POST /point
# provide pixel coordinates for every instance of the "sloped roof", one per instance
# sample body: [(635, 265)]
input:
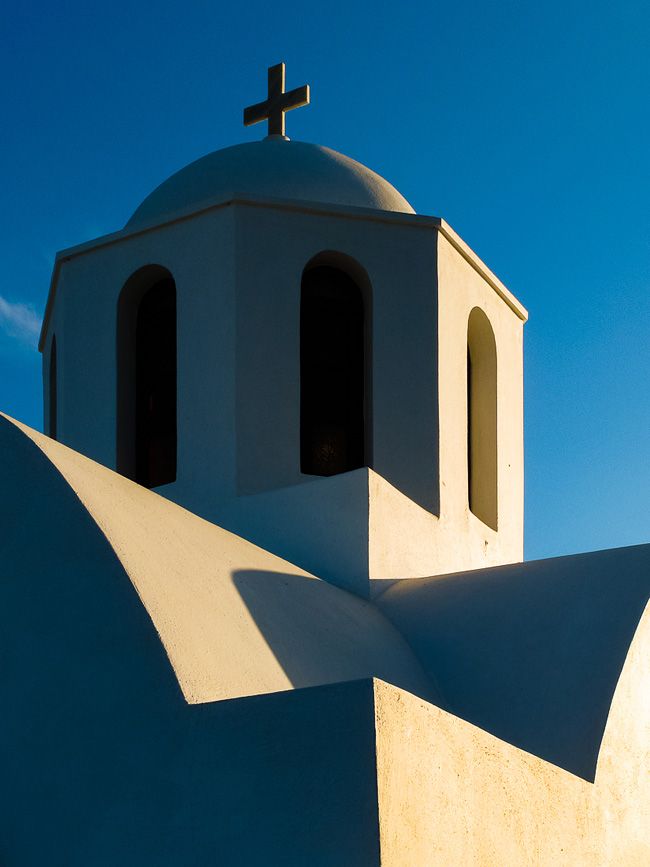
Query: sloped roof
[(233, 619), (530, 652)]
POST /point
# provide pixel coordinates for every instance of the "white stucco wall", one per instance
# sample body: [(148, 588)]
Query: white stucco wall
[(238, 268), (452, 793), (461, 288)]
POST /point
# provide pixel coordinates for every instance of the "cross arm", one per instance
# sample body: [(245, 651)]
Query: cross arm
[(256, 113), (297, 97)]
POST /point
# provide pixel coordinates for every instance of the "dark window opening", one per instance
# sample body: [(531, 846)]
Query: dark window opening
[(52, 409), (155, 417), (146, 378), (332, 373)]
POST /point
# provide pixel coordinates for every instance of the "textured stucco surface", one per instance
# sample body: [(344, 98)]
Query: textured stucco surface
[(466, 541), (452, 794), (531, 652)]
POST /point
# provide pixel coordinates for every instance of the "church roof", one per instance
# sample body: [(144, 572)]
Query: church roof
[(273, 168), (539, 666), (234, 619)]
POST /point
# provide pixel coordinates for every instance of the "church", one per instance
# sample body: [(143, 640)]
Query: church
[(264, 599)]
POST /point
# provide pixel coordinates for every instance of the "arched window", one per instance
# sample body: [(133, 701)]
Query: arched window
[(146, 405), (332, 373), (482, 418), (52, 409)]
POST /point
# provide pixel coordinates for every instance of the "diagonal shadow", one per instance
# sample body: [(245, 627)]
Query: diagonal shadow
[(530, 652), (321, 634)]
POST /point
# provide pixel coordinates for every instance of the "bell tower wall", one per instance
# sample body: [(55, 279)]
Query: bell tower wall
[(466, 290), (238, 268)]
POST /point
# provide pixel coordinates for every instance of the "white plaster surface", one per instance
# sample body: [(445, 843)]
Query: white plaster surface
[(271, 169), (475, 545), (337, 773), (531, 652), (234, 619), (452, 794)]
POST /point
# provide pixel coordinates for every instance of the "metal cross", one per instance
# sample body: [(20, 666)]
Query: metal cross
[(277, 102)]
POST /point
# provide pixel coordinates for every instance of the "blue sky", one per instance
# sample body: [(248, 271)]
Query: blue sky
[(525, 125)]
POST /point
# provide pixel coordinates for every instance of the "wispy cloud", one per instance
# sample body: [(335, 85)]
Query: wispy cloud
[(19, 321)]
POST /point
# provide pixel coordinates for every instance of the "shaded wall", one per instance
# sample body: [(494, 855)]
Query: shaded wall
[(104, 762), (530, 652)]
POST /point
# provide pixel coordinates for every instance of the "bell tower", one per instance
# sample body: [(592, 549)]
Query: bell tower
[(279, 343)]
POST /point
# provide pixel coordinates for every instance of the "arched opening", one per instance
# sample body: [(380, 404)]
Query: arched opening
[(52, 396), (146, 404), (482, 418), (333, 378)]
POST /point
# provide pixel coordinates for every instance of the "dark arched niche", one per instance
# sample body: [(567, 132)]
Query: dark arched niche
[(482, 418), (146, 377), (334, 366), (53, 391)]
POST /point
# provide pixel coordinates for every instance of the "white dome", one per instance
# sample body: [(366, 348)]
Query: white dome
[(273, 168)]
